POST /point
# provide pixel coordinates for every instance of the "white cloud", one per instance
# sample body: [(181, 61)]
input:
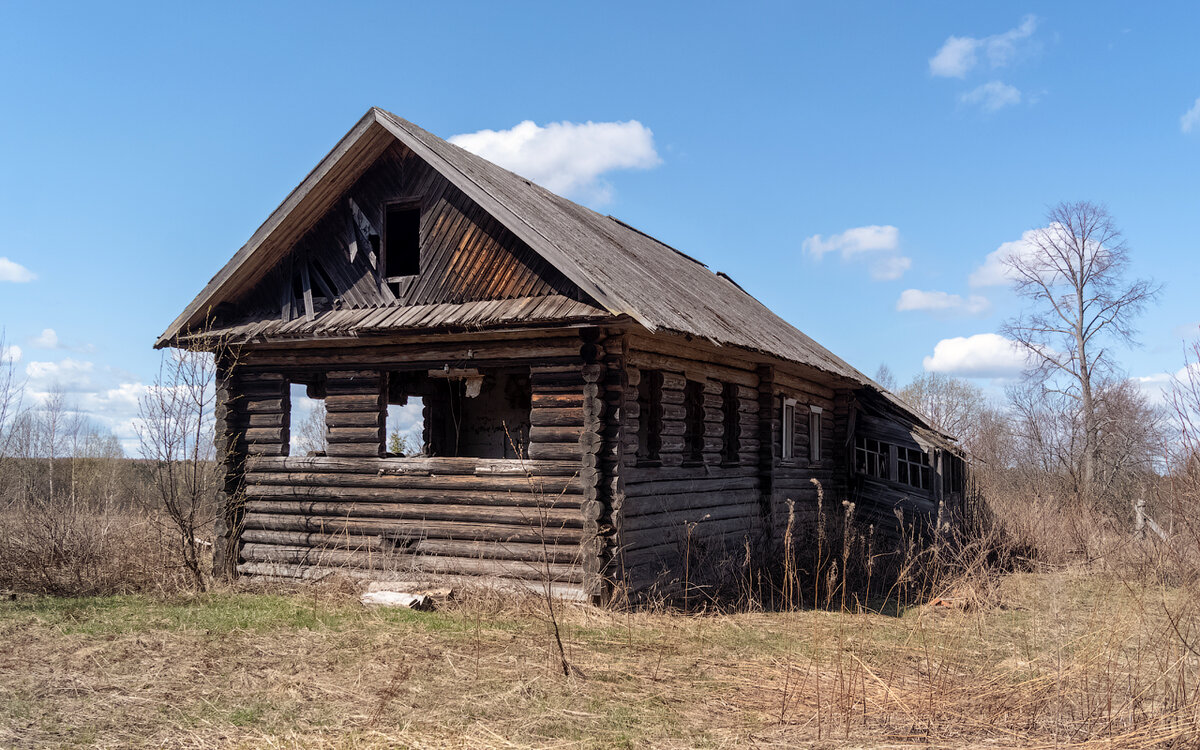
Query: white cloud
[(48, 339), (993, 272), (855, 241), (567, 157), (1191, 118), (10, 353), (1157, 387), (879, 242), (958, 55), (890, 269), (942, 302), (73, 375), (992, 96), (15, 272), (984, 355)]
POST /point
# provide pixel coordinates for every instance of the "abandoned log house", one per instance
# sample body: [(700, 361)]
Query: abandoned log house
[(597, 405)]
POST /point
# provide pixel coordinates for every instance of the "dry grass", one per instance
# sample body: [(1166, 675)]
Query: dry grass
[(1065, 659)]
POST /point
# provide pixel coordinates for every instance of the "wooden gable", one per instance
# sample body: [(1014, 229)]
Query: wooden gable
[(466, 255)]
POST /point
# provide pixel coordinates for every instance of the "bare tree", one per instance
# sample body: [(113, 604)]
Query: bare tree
[(176, 432), (950, 404), (311, 434), (885, 377), (11, 392), (1073, 274)]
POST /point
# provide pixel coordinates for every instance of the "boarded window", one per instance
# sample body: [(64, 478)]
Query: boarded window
[(814, 434), (649, 415), (402, 241), (731, 444), (693, 427), (912, 467), (872, 457), (788, 420)]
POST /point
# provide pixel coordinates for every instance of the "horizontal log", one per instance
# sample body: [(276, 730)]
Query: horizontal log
[(541, 434), (372, 434), (420, 356), (267, 449), (720, 481), (260, 406), (270, 553), (276, 419), (558, 417), (353, 418), (454, 548), (555, 451), (395, 528), (334, 376), (360, 450), (557, 400), (368, 402), (259, 376), (692, 369), (705, 532), (530, 516), (427, 465), (518, 498), (266, 434), (505, 483), (684, 509)]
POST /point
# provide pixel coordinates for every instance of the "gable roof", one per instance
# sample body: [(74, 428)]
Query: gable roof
[(625, 271)]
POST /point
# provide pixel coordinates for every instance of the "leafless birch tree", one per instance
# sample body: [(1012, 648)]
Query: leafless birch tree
[(1073, 274)]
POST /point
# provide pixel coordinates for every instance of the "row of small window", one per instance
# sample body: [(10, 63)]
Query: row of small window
[(874, 459), (650, 420)]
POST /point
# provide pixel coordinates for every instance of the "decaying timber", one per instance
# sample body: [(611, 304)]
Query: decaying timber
[(599, 410)]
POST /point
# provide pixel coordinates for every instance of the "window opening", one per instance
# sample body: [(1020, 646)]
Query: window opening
[(402, 241), (309, 435), (693, 429), (732, 428), (649, 400), (814, 434), (872, 457), (458, 412), (912, 467), (789, 429)]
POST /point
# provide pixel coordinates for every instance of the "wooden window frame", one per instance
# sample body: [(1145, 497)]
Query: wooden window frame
[(693, 423), (814, 434), (731, 436), (399, 204), (650, 419), (914, 468), (787, 420), (884, 457)]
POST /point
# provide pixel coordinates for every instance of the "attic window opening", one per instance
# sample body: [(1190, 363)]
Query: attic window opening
[(402, 241)]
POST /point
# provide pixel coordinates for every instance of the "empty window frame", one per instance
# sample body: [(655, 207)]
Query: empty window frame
[(814, 434), (693, 426), (872, 457), (308, 432), (952, 473), (788, 427), (649, 416), (912, 467), (402, 240), (731, 443)]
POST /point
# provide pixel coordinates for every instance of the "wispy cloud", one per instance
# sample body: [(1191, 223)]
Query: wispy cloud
[(992, 96), (15, 272), (959, 55), (879, 242), (569, 158), (942, 303), (984, 355), (1191, 118)]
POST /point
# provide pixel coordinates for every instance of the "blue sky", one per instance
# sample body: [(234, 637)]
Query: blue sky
[(840, 162)]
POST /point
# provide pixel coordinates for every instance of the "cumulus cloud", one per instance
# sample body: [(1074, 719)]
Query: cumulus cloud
[(1157, 387), (1191, 118), (71, 374), (984, 355), (959, 55), (942, 302), (15, 272), (882, 243), (992, 96), (855, 241), (993, 271), (567, 157), (47, 339), (10, 354)]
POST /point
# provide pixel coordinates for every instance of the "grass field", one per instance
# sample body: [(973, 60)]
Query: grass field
[(1057, 659)]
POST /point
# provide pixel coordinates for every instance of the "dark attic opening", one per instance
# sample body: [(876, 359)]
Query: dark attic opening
[(402, 241), (468, 412)]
